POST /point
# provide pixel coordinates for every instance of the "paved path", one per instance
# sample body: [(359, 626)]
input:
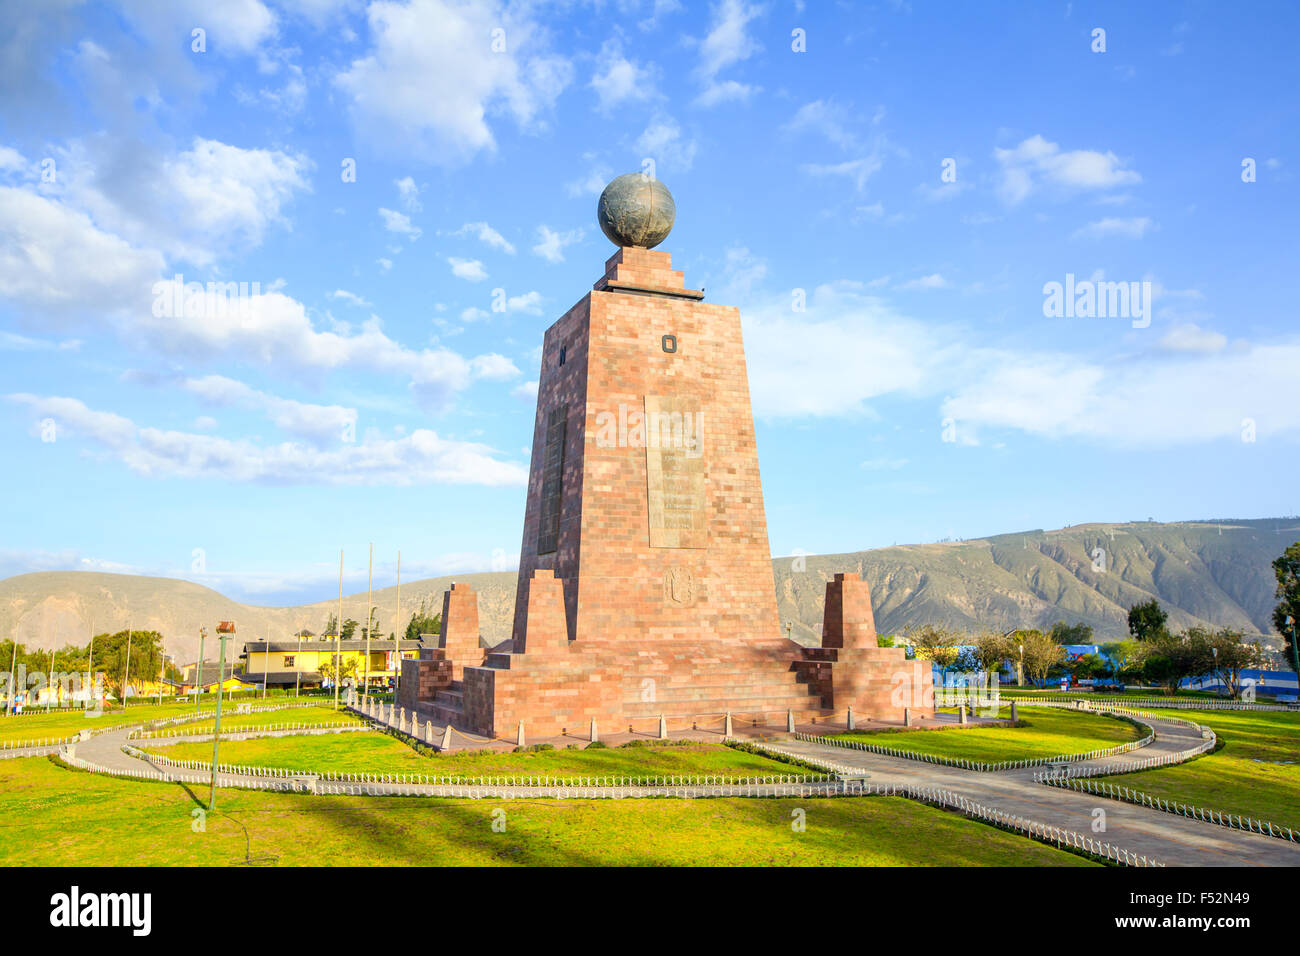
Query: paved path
[(1161, 836), (1171, 839)]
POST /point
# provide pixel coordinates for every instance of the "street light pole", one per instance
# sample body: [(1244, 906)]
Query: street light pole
[(13, 674), (90, 663), (216, 729), (198, 675), (126, 677)]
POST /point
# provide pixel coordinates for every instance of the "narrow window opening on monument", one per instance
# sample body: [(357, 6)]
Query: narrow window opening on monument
[(548, 525), (564, 349), (669, 343)]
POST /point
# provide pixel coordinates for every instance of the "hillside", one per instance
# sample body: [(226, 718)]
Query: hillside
[(1210, 573)]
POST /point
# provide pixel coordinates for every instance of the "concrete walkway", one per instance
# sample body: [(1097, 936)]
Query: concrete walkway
[(1165, 837), (1171, 839)]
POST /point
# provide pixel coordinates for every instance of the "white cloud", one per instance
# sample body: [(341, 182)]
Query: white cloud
[(932, 281), (727, 43), (319, 423), (420, 458), (1192, 338), (409, 193), (858, 170), (663, 142), (1133, 228), (550, 244), (399, 223), (592, 184), (725, 91), (197, 205), (529, 303), (432, 78), (11, 159), (469, 269), (1194, 398), (619, 80), (274, 329), (350, 298), (486, 234), (525, 391), (54, 258), (1036, 162), (824, 118), (809, 364)]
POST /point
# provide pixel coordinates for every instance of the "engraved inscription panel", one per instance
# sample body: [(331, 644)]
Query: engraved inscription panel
[(548, 525), (675, 473)]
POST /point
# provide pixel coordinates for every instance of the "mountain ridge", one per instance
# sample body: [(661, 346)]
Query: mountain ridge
[(1209, 573)]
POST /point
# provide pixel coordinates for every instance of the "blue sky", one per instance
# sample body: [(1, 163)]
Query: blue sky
[(366, 390)]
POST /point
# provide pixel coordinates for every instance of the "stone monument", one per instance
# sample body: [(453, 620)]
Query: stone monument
[(645, 588)]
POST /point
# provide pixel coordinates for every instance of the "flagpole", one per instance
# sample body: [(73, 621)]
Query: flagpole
[(369, 621), (338, 633), (126, 677), (397, 631)]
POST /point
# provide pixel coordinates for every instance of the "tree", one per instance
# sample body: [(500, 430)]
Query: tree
[(1167, 659), (1087, 667), (935, 644), (347, 667), (991, 649), (1147, 619), (110, 657), (1063, 633), (1287, 570), (422, 622), (349, 628), (1121, 655), (328, 633), (1041, 653), (1234, 654)]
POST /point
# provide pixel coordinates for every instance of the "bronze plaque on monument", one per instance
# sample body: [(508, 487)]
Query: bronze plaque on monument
[(674, 457)]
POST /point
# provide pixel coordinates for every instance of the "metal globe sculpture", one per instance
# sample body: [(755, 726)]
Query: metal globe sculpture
[(636, 210)]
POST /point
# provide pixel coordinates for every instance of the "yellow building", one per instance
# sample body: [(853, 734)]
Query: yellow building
[(204, 679), (298, 663)]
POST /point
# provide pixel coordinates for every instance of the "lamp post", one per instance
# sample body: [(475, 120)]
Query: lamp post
[(1020, 668), (126, 677), (90, 661), (222, 630), (1295, 646), (13, 675), (198, 672)]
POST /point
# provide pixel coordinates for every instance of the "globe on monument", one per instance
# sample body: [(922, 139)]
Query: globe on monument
[(636, 210)]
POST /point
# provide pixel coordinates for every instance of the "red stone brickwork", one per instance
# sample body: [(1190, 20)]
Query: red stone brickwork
[(423, 677), (459, 638), (657, 597), (853, 669)]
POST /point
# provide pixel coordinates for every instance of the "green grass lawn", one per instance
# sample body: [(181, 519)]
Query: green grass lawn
[(56, 725), (1249, 773), (1087, 693), (41, 726), (230, 722), (380, 753), (1047, 733), (50, 816)]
